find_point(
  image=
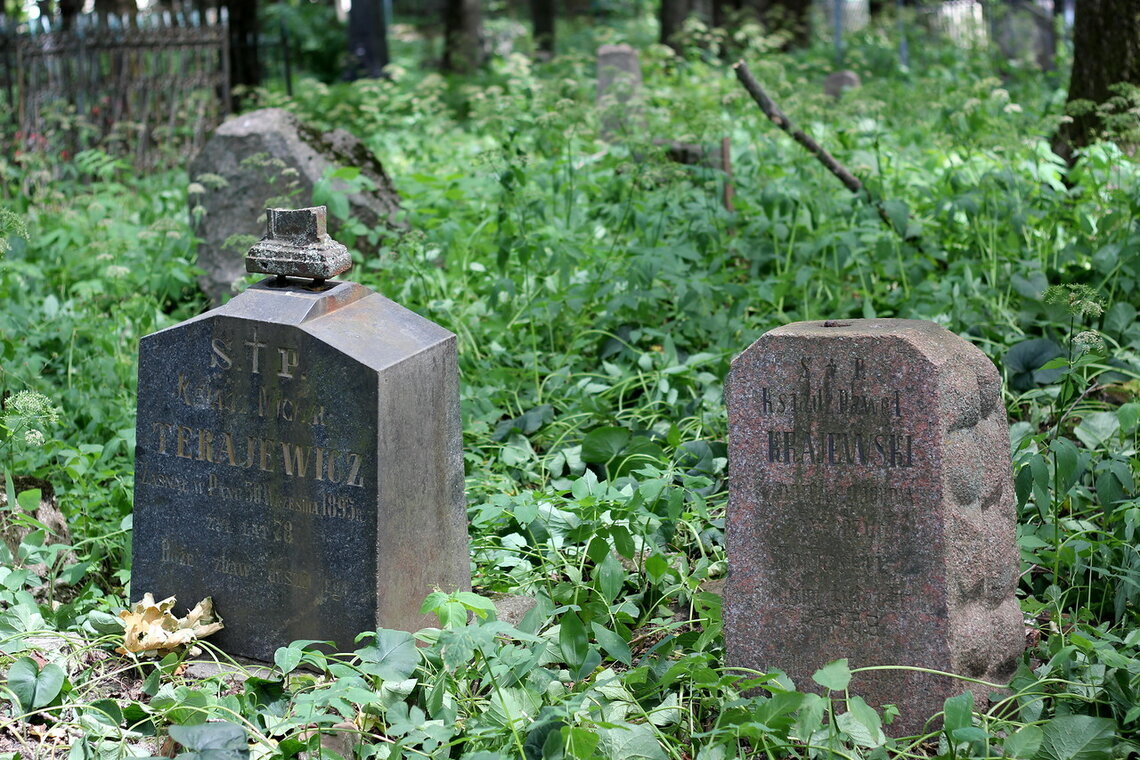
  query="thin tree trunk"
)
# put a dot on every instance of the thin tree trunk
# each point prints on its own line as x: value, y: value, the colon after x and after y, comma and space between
x: 542, y: 13
x: 462, y: 35
x: 367, y: 40
x: 673, y: 15
x: 245, y: 68
x: 1106, y: 52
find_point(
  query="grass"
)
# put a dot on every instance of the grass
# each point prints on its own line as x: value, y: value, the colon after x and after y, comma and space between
x: 599, y: 291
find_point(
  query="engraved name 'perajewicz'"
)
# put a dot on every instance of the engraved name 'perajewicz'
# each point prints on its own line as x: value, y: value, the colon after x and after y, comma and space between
x: 265, y: 454
x: 884, y: 450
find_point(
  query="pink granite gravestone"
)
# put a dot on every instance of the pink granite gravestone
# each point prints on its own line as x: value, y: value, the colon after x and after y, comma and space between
x: 871, y: 511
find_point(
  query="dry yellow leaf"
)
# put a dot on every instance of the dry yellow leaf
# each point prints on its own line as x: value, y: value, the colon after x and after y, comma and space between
x: 150, y: 627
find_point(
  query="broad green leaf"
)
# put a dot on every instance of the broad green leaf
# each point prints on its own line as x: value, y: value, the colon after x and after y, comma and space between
x: 864, y: 725
x: 106, y: 711
x: 603, y: 444
x: 1067, y: 461
x: 898, y: 212
x: 35, y: 688
x: 615, y: 646
x: 1024, y: 362
x: 623, y: 541
x: 29, y: 500
x: 810, y: 716
x: 610, y: 578
x: 579, y: 742
x: 287, y: 659
x: 1128, y: 415
x: 1097, y: 429
x: 1024, y: 743
x: 572, y: 639
x: 656, y: 566
x: 958, y: 711
x: 216, y: 741
x: 393, y: 657
x: 480, y: 605
x: 834, y: 676
x: 1078, y: 737
x: 629, y: 741
x: 191, y: 708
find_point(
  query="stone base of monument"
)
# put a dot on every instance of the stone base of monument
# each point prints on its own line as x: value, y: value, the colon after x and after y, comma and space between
x: 871, y: 512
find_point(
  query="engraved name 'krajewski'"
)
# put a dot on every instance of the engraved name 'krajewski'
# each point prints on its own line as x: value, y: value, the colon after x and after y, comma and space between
x: 830, y: 411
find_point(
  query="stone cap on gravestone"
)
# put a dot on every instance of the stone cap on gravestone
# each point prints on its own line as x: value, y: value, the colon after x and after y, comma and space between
x: 296, y: 244
x: 871, y: 512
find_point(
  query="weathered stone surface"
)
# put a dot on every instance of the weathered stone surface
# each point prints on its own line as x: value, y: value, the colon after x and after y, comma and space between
x: 619, y: 88
x: 297, y: 244
x: 299, y: 460
x: 268, y: 158
x: 837, y: 83
x: 870, y: 511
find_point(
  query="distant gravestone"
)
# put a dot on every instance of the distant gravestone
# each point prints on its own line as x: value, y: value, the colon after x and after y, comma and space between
x: 839, y: 82
x: 1024, y: 31
x: 871, y: 511
x: 269, y: 158
x: 619, y: 87
x: 299, y: 455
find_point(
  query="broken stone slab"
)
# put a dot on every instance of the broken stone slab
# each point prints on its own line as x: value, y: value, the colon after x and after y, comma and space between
x: 262, y: 159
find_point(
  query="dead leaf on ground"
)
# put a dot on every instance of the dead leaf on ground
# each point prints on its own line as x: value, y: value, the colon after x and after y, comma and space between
x: 149, y: 627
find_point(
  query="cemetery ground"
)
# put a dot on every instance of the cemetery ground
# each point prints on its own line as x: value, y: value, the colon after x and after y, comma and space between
x: 599, y: 291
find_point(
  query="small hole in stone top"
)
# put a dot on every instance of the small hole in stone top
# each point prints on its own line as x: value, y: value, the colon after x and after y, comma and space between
x: 833, y: 323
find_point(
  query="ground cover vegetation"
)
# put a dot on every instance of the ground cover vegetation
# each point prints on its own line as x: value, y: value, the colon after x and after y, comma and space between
x: 599, y: 291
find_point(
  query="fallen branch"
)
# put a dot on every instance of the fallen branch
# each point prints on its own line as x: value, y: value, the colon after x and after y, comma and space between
x: 777, y: 117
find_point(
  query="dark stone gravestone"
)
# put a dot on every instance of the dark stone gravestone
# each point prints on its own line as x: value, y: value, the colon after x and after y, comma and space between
x: 299, y: 455
x: 871, y: 511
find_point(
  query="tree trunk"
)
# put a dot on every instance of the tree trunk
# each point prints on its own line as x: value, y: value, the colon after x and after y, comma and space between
x: 462, y: 36
x: 367, y: 40
x: 542, y: 12
x: 1106, y: 52
x: 244, y: 66
x: 673, y: 15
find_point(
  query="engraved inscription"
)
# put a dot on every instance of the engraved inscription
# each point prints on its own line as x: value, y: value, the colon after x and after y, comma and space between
x: 265, y: 454
x: 836, y: 419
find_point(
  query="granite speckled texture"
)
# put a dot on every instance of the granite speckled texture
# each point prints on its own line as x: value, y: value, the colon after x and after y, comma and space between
x: 299, y: 459
x: 871, y: 512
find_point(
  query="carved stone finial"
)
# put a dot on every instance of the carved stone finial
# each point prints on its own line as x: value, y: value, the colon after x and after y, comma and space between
x: 297, y: 244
